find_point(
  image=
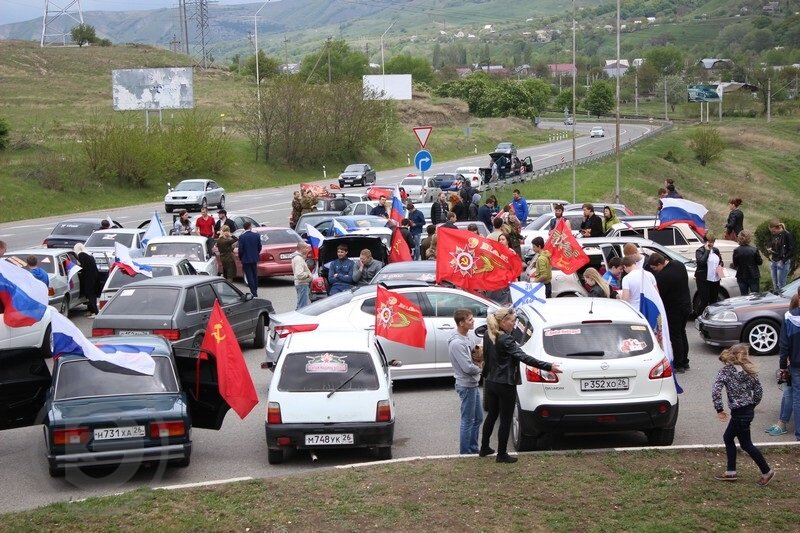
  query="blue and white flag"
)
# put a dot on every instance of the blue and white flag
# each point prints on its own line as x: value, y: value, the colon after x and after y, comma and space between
x: 524, y: 292
x: 338, y: 228
x: 68, y: 339
x: 652, y: 308
x: 155, y: 229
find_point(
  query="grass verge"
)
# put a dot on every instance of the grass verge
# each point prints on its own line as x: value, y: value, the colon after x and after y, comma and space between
x: 652, y: 490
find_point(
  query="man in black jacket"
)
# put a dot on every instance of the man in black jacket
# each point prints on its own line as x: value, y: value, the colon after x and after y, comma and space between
x: 673, y: 287
x: 439, y: 210
x: 592, y: 225
x: 485, y: 213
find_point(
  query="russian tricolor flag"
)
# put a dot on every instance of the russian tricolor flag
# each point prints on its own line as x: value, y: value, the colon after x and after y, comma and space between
x: 68, y: 339
x: 398, y: 209
x: 652, y: 308
x: 338, y: 228
x: 123, y: 261
x: 24, y: 297
x: 315, y: 239
x: 72, y: 268
x: 675, y: 210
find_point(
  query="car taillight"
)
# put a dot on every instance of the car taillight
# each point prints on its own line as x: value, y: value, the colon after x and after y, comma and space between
x: 62, y: 437
x: 102, y: 332
x: 269, y: 257
x: 662, y: 370
x: 44, y: 244
x: 51, y: 291
x: 159, y: 430
x: 101, y: 303
x: 384, y: 411
x: 274, y: 413
x: 169, y: 334
x: 537, y: 375
x: 285, y: 331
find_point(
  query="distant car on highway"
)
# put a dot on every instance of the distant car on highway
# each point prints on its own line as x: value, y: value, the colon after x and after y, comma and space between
x: 357, y: 174
x: 506, y: 148
x: 597, y: 131
x: 68, y: 233
x: 569, y: 121
x: 193, y: 194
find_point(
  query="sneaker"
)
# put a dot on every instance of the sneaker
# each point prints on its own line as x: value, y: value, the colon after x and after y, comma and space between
x: 485, y: 451
x: 776, y: 431
x: 772, y: 427
x: 725, y: 477
x: 505, y: 458
x: 679, y: 370
x: 766, y: 478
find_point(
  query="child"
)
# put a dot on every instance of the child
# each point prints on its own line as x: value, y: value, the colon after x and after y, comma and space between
x: 739, y: 377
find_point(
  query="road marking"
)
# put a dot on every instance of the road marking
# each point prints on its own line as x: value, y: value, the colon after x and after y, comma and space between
x: 34, y: 226
x: 204, y: 483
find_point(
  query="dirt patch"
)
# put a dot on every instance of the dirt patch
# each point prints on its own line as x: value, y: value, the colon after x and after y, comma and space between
x: 753, y: 140
x: 440, y: 112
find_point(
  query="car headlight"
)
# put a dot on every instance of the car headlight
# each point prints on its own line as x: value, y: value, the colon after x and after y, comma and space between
x: 723, y: 316
x: 359, y: 176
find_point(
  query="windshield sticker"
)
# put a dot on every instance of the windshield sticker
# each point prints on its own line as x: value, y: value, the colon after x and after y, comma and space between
x: 127, y: 292
x: 553, y: 332
x: 638, y: 328
x: 109, y: 236
x: 44, y: 260
x: 631, y: 345
x: 326, y: 363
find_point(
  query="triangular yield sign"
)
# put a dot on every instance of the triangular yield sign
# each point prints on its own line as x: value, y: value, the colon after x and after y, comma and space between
x: 423, y: 133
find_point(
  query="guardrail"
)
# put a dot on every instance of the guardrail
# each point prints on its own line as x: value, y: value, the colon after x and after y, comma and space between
x: 551, y: 169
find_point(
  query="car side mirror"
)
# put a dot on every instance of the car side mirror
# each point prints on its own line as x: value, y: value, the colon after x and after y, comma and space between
x: 248, y: 297
x: 480, y: 331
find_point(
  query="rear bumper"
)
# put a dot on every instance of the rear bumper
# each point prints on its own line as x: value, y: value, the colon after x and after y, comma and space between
x: 600, y: 417
x: 717, y: 334
x: 365, y: 434
x: 122, y: 456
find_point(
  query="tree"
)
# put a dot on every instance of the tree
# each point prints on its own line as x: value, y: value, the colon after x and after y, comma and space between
x: 707, y: 144
x: 600, y: 99
x: 758, y: 40
x: 437, y: 60
x: 345, y: 64
x: 4, y: 131
x: 83, y: 34
x: 665, y: 59
x: 268, y: 67
x: 676, y: 90
x: 418, y: 67
x: 564, y: 99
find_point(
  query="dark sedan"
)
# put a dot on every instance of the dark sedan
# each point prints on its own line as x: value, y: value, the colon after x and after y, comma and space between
x: 99, y: 414
x: 755, y: 319
x: 357, y: 174
x: 70, y: 232
x: 178, y: 307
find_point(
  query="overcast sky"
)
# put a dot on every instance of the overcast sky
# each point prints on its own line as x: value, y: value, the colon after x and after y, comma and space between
x: 20, y: 10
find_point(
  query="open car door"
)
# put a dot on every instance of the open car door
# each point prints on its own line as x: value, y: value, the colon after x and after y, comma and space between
x: 198, y: 378
x: 24, y: 386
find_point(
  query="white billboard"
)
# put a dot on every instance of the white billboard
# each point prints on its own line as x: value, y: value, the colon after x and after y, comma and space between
x: 390, y: 86
x: 152, y: 88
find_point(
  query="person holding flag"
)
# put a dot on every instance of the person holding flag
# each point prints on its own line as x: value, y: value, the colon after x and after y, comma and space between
x: 315, y: 239
x: 467, y: 360
x: 397, y: 210
x: 541, y: 271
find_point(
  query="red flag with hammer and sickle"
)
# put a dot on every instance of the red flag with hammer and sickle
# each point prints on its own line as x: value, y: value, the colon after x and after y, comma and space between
x: 235, y: 383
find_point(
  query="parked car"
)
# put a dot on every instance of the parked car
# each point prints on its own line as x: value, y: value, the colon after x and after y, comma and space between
x: 378, y: 245
x: 194, y: 194
x: 330, y: 392
x: 357, y: 174
x: 160, y: 267
x: 680, y: 237
x: 333, y: 202
x: 420, y: 189
x: 178, y: 307
x: 506, y: 148
x: 105, y: 415
x: 64, y: 293
x: 360, y: 208
x: 422, y: 271
x: 538, y: 207
x: 38, y: 336
x: 449, y: 182
x: 239, y: 219
x: 569, y: 121
x: 354, y: 312
x: 191, y: 247
x: 475, y: 175
x: 100, y: 245
x: 313, y: 218
x: 483, y: 231
x: 620, y: 209
x: 597, y: 131
x: 68, y: 233
x: 277, y: 247
x: 358, y: 225
x: 615, y: 376
x: 755, y: 319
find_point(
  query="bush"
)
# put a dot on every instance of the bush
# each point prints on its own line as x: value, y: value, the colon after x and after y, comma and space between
x: 669, y: 156
x: 763, y: 240
x: 4, y: 133
x: 707, y: 144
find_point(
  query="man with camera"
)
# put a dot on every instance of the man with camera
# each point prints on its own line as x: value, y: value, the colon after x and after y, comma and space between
x: 467, y: 360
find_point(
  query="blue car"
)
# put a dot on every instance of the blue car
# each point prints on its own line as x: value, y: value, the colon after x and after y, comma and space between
x: 96, y: 413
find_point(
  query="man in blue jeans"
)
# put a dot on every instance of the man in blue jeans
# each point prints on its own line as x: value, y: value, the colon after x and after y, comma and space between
x: 466, y: 358
x: 417, y: 225
x: 789, y: 350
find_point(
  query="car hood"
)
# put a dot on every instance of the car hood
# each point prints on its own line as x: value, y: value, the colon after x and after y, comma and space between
x: 759, y: 299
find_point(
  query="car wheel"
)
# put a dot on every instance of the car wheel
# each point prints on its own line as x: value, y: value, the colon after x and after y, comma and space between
x: 46, y: 350
x: 259, y: 336
x: 762, y: 335
x: 384, y: 453
x: 55, y: 471
x: 204, y: 203
x: 64, y: 308
x: 221, y: 204
x: 660, y: 436
x: 275, y: 457
x: 168, y: 208
x: 522, y: 442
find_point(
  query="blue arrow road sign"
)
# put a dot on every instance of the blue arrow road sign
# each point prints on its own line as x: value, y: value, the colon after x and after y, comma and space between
x: 423, y: 160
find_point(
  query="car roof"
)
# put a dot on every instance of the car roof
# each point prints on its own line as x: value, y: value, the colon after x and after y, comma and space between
x: 584, y: 241
x: 160, y: 260
x: 194, y: 239
x: 40, y: 251
x: 92, y: 220
x: 575, y: 310
x: 120, y: 230
x: 173, y: 281
x: 340, y: 340
x: 545, y: 201
x: 199, y: 180
x: 410, y: 266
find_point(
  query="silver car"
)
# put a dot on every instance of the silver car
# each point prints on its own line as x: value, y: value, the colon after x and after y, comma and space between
x: 64, y: 292
x: 355, y: 312
x: 194, y: 194
x: 420, y: 189
x: 100, y: 244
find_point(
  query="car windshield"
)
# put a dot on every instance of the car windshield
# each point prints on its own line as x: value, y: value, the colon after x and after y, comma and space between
x: 143, y: 301
x: 373, y: 222
x: 81, y: 378
x: 75, y: 228
x: 426, y: 276
x: 537, y: 210
x: 190, y: 250
x: 45, y: 261
x: 354, y: 168
x: 326, y: 371
x: 597, y: 340
x: 190, y: 186
x: 791, y: 288
x: 279, y: 236
x: 312, y: 220
x: 504, y: 146
x: 417, y: 182
x: 119, y: 278
x: 107, y: 240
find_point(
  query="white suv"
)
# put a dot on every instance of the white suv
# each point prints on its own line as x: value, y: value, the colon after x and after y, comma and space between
x: 615, y: 377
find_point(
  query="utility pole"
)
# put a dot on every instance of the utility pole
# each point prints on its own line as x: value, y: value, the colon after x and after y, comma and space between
x: 666, y: 116
x: 329, y: 60
x: 616, y: 145
x: 769, y: 100
x: 636, y: 90
x: 286, y: 52
x: 574, y: 76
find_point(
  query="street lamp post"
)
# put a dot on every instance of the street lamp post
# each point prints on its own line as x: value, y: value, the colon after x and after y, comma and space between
x: 255, y: 33
x: 383, y: 81
x: 383, y: 70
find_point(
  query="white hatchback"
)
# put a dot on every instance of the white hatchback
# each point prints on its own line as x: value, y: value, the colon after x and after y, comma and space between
x: 329, y: 391
x: 615, y: 376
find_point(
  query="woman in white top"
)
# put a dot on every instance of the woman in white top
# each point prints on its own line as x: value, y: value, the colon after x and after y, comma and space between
x: 707, y: 276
